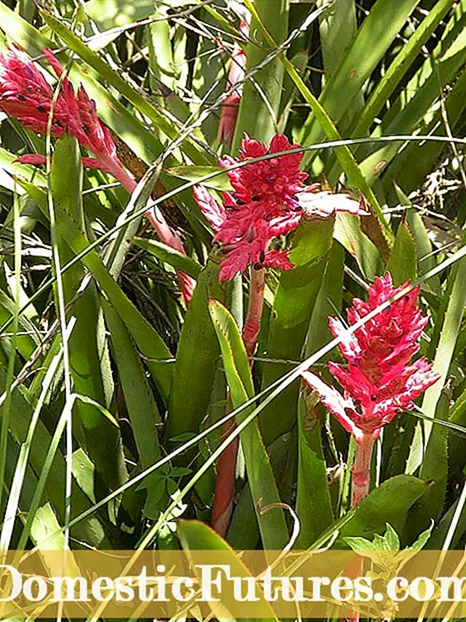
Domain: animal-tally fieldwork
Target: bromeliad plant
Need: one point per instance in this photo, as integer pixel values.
(151, 382)
(380, 380)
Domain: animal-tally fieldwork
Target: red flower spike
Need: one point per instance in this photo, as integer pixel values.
(261, 208)
(27, 96)
(378, 381)
(268, 201)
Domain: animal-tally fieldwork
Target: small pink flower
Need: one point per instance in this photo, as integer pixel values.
(268, 201)
(379, 379)
(27, 96)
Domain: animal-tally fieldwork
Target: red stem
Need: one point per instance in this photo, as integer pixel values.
(361, 472)
(360, 482)
(226, 467)
(157, 220)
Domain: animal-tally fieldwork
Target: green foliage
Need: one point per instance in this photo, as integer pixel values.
(104, 372)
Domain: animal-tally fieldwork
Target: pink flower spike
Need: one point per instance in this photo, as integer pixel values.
(40, 160)
(379, 378)
(27, 96)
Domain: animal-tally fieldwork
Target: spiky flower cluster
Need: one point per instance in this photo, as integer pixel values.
(26, 95)
(267, 201)
(379, 380)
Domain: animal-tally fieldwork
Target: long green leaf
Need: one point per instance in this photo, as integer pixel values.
(264, 491)
(196, 359)
(291, 313)
(260, 101)
(443, 357)
(88, 361)
(151, 346)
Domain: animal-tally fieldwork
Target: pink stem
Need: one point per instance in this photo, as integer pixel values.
(163, 229)
(361, 472)
(226, 466)
(360, 482)
(256, 304)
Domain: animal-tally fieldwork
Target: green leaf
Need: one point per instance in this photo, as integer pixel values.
(264, 490)
(403, 260)
(451, 325)
(291, 313)
(196, 360)
(396, 71)
(140, 403)
(386, 504)
(46, 531)
(313, 504)
(193, 173)
(196, 536)
(360, 544)
(422, 539)
(372, 40)
(88, 361)
(169, 255)
(260, 100)
(147, 340)
(434, 468)
(424, 254)
(392, 539)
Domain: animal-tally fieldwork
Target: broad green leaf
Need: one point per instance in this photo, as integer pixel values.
(388, 503)
(196, 536)
(403, 260)
(196, 360)
(411, 165)
(264, 491)
(398, 68)
(139, 401)
(291, 313)
(313, 504)
(46, 531)
(260, 100)
(369, 46)
(422, 540)
(434, 468)
(425, 258)
(88, 361)
(169, 255)
(350, 235)
(420, 95)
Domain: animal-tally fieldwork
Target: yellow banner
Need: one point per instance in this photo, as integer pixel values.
(227, 584)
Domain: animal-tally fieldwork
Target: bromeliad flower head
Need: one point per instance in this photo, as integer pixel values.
(379, 379)
(268, 201)
(27, 96)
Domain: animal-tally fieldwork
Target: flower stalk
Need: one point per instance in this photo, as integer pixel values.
(268, 200)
